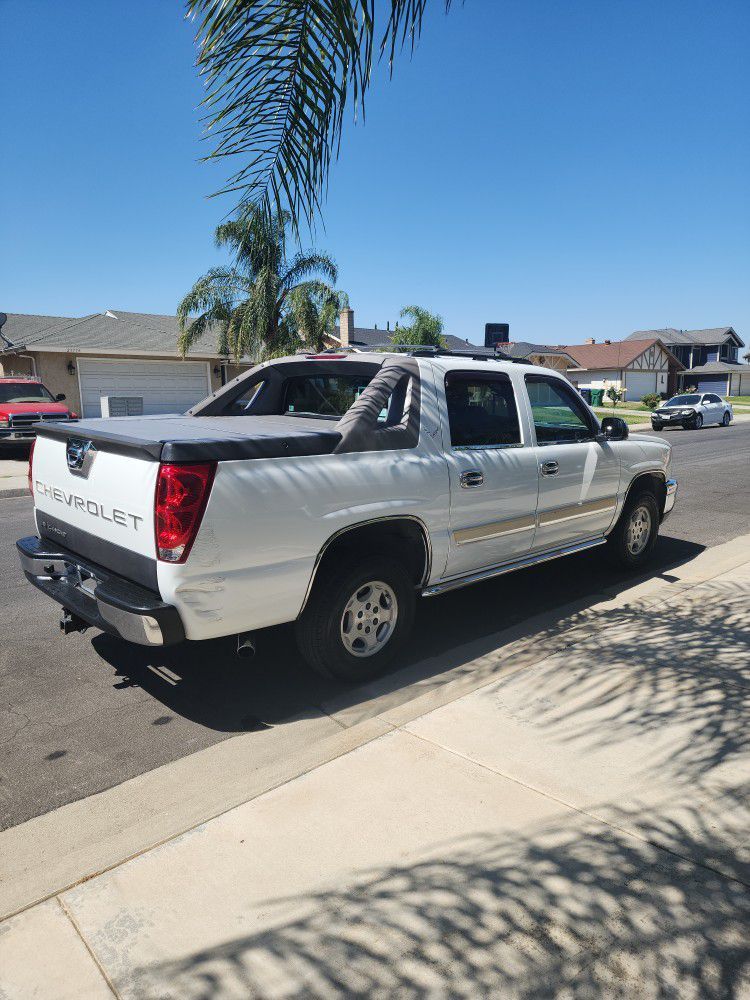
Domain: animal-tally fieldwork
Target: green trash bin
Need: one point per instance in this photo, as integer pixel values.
(597, 397)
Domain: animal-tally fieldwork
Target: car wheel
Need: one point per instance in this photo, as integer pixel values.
(725, 419)
(358, 617)
(657, 427)
(632, 540)
(698, 421)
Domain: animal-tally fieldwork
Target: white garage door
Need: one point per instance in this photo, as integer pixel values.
(638, 385)
(166, 386)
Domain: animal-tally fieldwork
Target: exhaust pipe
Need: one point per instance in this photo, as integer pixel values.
(246, 645)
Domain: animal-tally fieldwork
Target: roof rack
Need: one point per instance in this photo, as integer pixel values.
(427, 351)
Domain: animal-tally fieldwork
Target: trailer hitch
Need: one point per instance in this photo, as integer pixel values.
(72, 623)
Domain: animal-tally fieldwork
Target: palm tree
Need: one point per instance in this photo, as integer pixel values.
(278, 76)
(313, 311)
(252, 303)
(426, 328)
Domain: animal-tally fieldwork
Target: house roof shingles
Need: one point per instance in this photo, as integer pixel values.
(363, 336)
(713, 335)
(110, 332)
(618, 354)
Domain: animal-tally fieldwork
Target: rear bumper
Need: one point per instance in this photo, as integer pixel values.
(671, 497)
(100, 598)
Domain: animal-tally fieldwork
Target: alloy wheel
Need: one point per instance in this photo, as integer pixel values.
(369, 619)
(639, 530)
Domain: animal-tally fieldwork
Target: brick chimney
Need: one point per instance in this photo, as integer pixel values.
(589, 340)
(346, 327)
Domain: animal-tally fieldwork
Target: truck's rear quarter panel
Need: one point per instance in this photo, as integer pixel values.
(267, 520)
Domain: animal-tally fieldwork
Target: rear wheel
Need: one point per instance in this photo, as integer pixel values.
(358, 617)
(725, 419)
(632, 540)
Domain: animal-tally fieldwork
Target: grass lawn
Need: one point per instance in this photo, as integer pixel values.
(629, 416)
(624, 406)
(742, 400)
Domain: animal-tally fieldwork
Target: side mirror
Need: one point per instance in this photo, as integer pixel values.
(614, 429)
(60, 397)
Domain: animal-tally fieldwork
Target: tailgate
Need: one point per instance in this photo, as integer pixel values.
(103, 511)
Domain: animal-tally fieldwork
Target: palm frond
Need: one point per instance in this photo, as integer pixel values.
(279, 74)
(209, 304)
(310, 262)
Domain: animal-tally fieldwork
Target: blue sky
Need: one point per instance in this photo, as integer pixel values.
(576, 169)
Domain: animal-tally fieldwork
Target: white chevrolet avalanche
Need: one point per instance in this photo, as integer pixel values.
(330, 491)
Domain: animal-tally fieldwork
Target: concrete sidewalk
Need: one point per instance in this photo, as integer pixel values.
(566, 816)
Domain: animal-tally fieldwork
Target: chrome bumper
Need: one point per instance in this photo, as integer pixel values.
(670, 498)
(99, 598)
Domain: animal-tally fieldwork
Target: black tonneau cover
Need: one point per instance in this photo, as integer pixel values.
(200, 439)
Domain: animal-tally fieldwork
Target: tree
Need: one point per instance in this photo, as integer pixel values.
(251, 303)
(278, 76)
(615, 394)
(314, 308)
(426, 328)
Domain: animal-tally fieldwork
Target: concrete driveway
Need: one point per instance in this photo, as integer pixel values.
(14, 469)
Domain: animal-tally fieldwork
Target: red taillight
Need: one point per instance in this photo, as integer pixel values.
(181, 496)
(31, 462)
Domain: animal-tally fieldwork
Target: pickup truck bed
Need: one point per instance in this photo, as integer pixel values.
(199, 439)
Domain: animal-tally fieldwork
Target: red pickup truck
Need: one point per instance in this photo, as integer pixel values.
(24, 402)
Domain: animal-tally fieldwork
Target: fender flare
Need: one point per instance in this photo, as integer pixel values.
(660, 498)
(384, 519)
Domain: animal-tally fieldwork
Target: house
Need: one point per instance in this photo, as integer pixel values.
(638, 366)
(363, 338)
(114, 353)
(710, 358)
(537, 354)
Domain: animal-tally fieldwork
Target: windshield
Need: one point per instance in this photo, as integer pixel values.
(24, 392)
(684, 400)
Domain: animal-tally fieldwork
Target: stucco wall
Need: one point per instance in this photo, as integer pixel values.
(15, 366)
(53, 370)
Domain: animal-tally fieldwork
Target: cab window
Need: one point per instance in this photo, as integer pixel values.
(559, 415)
(482, 411)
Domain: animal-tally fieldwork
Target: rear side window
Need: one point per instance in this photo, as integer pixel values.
(482, 411)
(559, 414)
(322, 395)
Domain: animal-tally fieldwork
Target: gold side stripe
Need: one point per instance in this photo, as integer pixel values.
(577, 510)
(494, 529)
(509, 526)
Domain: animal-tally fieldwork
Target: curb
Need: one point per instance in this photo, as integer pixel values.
(10, 493)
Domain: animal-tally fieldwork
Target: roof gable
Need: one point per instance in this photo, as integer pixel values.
(705, 338)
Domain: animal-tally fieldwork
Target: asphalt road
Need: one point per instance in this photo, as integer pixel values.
(85, 712)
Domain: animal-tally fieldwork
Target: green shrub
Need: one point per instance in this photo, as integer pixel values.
(651, 400)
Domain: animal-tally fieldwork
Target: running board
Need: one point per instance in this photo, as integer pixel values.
(487, 574)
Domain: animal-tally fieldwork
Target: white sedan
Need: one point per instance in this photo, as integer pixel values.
(692, 410)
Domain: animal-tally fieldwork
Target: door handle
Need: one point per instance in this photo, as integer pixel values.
(471, 479)
(549, 468)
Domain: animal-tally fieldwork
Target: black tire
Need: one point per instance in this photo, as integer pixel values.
(657, 427)
(619, 550)
(319, 627)
(725, 419)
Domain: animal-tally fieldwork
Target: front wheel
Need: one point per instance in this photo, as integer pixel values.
(632, 540)
(699, 421)
(656, 427)
(725, 419)
(358, 617)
